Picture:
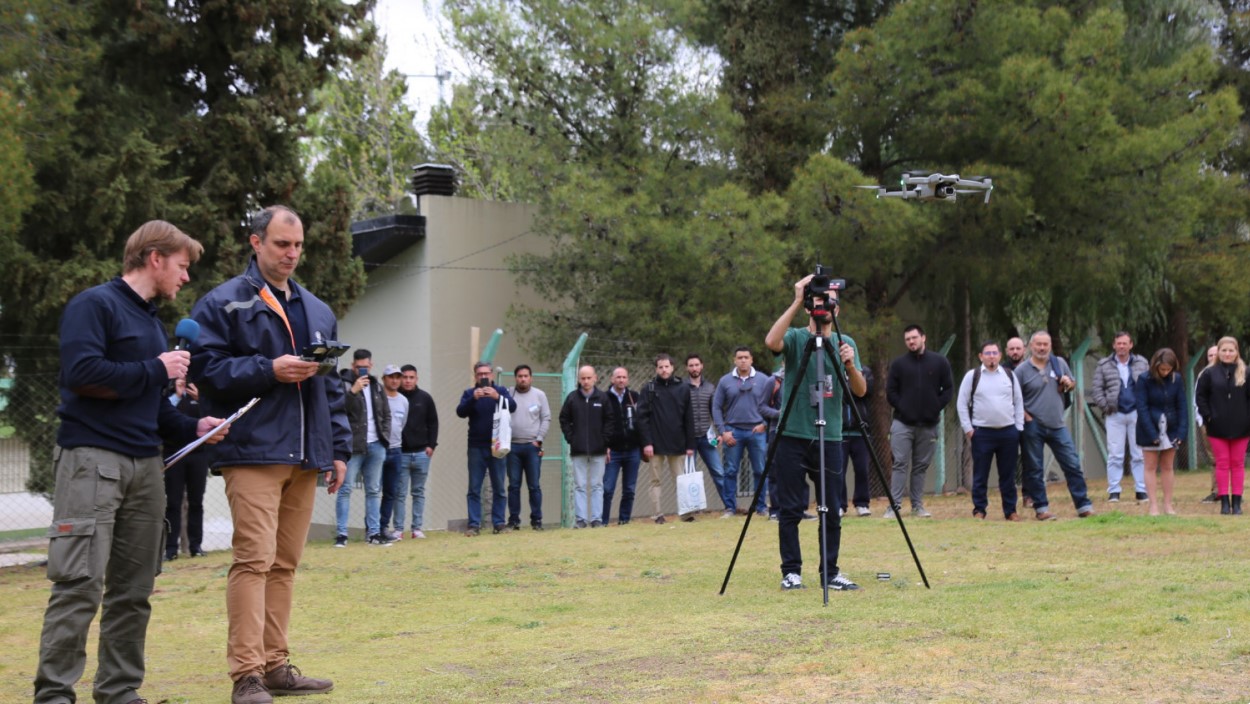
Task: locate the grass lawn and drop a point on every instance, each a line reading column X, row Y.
column 1119, row 608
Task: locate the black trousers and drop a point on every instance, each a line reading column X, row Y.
column 797, row 461
column 190, row 476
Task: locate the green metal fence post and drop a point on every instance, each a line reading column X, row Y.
column 568, row 382
column 1078, row 420
column 492, row 346
column 939, row 481
column 1191, row 451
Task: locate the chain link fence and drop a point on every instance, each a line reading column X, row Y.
column 28, row 434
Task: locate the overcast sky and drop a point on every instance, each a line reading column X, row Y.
column 415, row 47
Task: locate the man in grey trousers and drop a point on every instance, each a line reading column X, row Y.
column 919, row 386
column 105, row 542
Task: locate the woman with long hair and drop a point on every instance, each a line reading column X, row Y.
column 1224, row 402
column 1162, row 424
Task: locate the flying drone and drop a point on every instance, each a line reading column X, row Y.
column 926, row 186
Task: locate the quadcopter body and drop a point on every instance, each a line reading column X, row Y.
column 944, row 187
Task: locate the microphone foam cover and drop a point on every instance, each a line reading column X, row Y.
column 188, row 330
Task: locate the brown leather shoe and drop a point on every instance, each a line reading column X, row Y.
column 250, row 690
column 979, row 514
column 287, row 679
column 1014, row 518
column 1047, row 516
column 1086, row 513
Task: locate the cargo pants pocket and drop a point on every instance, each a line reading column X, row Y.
column 69, row 549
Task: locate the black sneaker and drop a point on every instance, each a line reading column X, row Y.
column 659, row 520
column 1113, row 497
column 171, row 556
column 596, row 524
column 537, row 526
column 579, row 524
column 340, row 541
column 516, row 526
column 809, row 516
column 1142, row 496
column 688, row 518
column 792, row 580
column 841, row 583
column 198, row 552
column 500, row 528
column 623, row 523
column 379, row 540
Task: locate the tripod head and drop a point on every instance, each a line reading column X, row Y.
column 816, row 298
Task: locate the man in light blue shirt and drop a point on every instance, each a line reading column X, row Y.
column 740, row 410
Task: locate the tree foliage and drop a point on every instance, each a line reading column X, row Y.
column 189, row 111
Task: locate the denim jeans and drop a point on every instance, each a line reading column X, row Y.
column 728, row 490
column 390, row 489
column 370, row 465
column 624, row 463
column 588, row 486
column 989, row 445
column 1121, row 429
column 524, row 461
column 1060, row 442
column 756, row 445
column 414, row 470
column 482, row 461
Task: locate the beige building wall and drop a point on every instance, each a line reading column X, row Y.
column 419, row 307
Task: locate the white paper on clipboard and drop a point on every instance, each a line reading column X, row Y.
column 180, row 454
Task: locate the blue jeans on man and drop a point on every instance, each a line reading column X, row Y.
column 1060, row 442
column 482, row 461
column 624, row 464
column 390, row 490
column 368, row 464
column 524, row 461
column 989, row 445
column 756, row 446
column 727, row 490
column 414, row 470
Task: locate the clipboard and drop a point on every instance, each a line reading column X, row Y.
column 180, row 454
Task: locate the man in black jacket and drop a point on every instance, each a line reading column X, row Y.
column 918, row 387
column 370, row 418
column 667, row 427
column 587, row 422
column 624, row 453
column 420, row 437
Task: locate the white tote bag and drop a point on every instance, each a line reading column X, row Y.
column 690, row 493
column 501, row 430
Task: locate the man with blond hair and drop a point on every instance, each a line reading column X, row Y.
column 109, row 507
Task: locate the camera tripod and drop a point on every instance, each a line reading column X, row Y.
column 816, row 345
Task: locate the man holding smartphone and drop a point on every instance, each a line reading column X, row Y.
column 478, row 404
column 370, row 418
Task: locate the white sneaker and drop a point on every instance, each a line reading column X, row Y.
column 417, row 534
column 841, row 513
column 889, row 513
column 862, row 511
column 395, row 535
column 921, row 513
column 792, row 581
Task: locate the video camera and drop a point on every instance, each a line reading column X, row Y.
column 819, row 287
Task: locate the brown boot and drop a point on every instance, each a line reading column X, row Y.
column 250, row 690
column 287, row 679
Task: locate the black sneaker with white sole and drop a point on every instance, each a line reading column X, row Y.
column 340, row 541
column 380, row 540
column 792, row 580
column 841, row 583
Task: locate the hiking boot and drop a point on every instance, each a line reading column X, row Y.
column 792, row 581
column 287, row 679
column 842, row 583
column 250, row 690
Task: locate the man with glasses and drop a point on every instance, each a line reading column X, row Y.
column 991, row 411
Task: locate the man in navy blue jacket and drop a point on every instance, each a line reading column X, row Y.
column 252, row 331
column 478, row 404
column 109, row 507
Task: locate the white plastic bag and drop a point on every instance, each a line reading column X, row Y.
column 691, row 496
column 501, row 430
